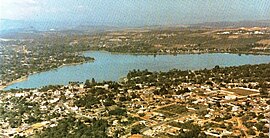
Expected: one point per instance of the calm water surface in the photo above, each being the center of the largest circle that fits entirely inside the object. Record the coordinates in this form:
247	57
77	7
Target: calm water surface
108	66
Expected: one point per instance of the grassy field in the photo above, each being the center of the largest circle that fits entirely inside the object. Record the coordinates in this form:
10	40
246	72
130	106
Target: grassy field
242	92
178	109
153	41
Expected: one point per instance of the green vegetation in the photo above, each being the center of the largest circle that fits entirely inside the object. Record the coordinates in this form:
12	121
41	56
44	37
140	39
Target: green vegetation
70	128
181	40
114	109
194	131
26	57
218	75
136	129
31	56
175	109
118	111
87	101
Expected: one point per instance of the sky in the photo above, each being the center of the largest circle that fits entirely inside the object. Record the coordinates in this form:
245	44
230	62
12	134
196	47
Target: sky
135	12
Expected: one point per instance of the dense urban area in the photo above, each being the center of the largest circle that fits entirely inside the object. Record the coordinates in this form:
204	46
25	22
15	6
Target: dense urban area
49	50
218	102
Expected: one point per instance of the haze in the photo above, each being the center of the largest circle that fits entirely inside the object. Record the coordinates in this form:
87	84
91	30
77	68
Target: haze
134	12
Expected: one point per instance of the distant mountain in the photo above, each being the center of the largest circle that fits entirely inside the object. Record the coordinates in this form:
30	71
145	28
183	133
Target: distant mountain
12	25
262	23
20	28
88	28
7	24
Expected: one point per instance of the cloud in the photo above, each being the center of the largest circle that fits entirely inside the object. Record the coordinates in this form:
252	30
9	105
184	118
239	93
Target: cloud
18	3
18	9
81	6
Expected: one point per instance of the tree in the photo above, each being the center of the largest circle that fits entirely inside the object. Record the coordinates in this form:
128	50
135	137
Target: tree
118	111
93	81
218	104
263	91
122	98
135	130
87	83
141	114
268	102
217	67
109	102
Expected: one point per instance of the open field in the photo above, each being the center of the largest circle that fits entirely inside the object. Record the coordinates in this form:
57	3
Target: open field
264	41
242	92
179	109
183	40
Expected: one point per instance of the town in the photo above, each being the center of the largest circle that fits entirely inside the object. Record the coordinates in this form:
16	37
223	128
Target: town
218	102
253	40
23	57
134	69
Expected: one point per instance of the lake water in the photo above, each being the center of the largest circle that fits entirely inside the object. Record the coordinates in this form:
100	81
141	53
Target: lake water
108	66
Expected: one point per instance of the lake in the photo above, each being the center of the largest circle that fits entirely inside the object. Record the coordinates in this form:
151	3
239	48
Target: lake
110	66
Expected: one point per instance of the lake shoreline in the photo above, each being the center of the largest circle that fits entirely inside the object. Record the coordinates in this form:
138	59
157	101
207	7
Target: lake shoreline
183	53
24	78
116	53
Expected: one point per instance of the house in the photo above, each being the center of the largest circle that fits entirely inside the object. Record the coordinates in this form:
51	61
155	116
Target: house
19	94
136	136
235	108
230	97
